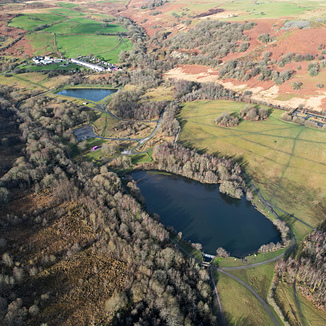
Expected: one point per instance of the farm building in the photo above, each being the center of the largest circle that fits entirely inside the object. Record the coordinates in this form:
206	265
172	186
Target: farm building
87	65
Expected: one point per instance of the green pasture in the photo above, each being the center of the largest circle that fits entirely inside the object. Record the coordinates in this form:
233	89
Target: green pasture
142	158
82	25
112	55
245	9
30	21
286	161
259	277
53	66
67	4
73	45
240	306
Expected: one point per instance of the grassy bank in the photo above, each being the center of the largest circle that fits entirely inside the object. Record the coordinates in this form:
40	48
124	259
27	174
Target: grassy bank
298	312
240	306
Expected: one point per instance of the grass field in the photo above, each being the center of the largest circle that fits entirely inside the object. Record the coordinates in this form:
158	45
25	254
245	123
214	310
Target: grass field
241	10
107	126
53	66
259	277
112	55
161	93
67	12
268	9
82	25
142	158
302	312
73	45
75	34
67	4
240	306
33	81
29	22
286	161
232	262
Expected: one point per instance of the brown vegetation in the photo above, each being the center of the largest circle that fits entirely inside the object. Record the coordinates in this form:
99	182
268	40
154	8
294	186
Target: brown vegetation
307	269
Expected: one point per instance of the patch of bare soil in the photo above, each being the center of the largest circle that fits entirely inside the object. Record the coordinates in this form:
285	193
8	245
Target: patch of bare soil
265	91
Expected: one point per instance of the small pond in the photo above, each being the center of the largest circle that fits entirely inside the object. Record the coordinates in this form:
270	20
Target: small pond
204	215
92	94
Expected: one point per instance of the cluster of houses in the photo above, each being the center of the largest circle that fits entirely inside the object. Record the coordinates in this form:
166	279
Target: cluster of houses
45	60
99	66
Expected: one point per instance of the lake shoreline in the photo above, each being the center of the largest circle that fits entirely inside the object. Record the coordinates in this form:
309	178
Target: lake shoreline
225	198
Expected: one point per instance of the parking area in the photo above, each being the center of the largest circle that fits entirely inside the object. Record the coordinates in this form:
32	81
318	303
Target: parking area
84	132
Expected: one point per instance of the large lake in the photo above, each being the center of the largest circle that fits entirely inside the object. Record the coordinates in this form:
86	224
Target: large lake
204	215
92	94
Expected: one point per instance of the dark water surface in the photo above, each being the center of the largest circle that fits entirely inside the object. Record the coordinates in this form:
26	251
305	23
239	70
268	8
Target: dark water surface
204	215
92	94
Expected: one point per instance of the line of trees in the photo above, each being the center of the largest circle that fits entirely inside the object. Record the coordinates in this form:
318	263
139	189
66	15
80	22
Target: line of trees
204	168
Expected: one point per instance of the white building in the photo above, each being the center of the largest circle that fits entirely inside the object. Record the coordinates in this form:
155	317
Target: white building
87	65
